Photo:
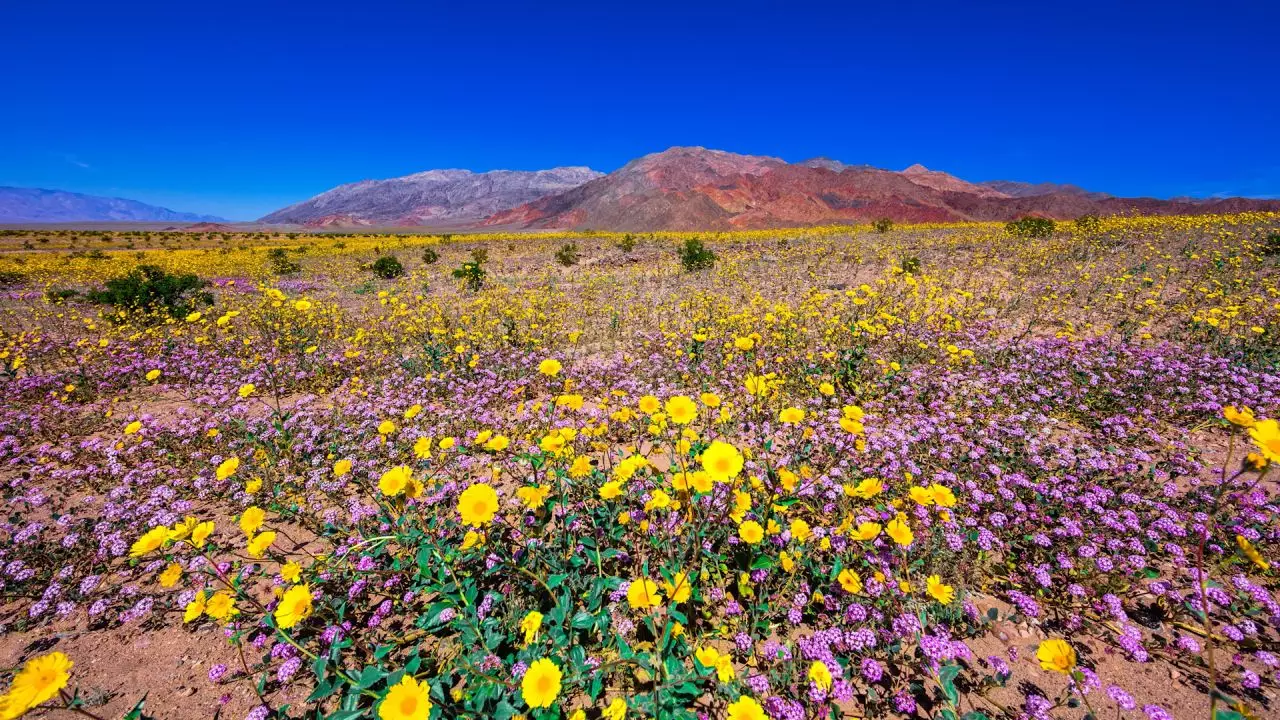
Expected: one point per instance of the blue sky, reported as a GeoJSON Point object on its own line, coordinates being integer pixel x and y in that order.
{"type": "Point", "coordinates": [238, 108]}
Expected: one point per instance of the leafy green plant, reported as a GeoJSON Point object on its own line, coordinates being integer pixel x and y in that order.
{"type": "Point", "coordinates": [627, 243]}
{"type": "Point", "coordinates": [909, 264]}
{"type": "Point", "coordinates": [150, 287]}
{"type": "Point", "coordinates": [281, 263]}
{"type": "Point", "coordinates": [882, 225]}
{"type": "Point", "coordinates": [1088, 223]}
{"type": "Point", "coordinates": [472, 274]}
{"type": "Point", "coordinates": [387, 267]}
{"type": "Point", "coordinates": [695, 256]}
{"type": "Point", "coordinates": [567, 255]}
{"type": "Point", "coordinates": [430, 256]}
{"type": "Point", "coordinates": [1033, 227]}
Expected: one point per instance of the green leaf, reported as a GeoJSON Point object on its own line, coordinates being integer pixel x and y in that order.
{"type": "Point", "coordinates": [369, 676]}
{"type": "Point", "coordinates": [764, 562]}
{"type": "Point", "coordinates": [1226, 714]}
{"type": "Point", "coordinates": [947, 678]}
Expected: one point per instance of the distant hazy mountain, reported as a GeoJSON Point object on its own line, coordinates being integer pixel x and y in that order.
{"type": "Point", "coordinates": [37, 205]}
{"type": "Point", "coordinates": [1013, 188]}
{"type": "Point", "coordinates": [452, 196]}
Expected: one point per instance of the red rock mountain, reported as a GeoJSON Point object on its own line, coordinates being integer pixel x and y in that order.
{"type": "Point", "coordinates": [699, 189]}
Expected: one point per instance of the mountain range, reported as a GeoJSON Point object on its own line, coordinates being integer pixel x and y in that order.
{"type": "Point", "coordinates": [682, 188]}
{"type": "Point", "coordinates": [38, 205]}
{"type": "Point", "coordinates": [434, 197]}
{"type": "Point", "coordinates": [694, 188]}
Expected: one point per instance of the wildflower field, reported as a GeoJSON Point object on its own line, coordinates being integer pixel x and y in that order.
{"type": "Point", "coordinates": [945, 471]}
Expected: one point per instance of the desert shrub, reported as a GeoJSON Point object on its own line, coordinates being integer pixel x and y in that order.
{"type": "Point", "coordinates": [882, 225]}
{"type": "Point", "coordinates": [1033, 227]}
{"type": "Point", "coordinates": [387, 267]}
{"type": "Point", "coordinates": [909, 264]}
{"type": "Point", "coordinates": [150, 287]}
{"type": "Point", "coordinates": [281, 263]}
{"type": "Point", "coordinates": [1271, 246]}
{"type": "Point", "coordinates": [480, 255]}
{"type": "Point", "coordinates": [695, 256]}
{"type": "Point", "coordinates": [55, 295]}
{"type": "Point", "coordinates": [472, 273]}
{"type": "Point", "coordinates": [627, 243]}
{"type": "Point", "coordinates": [1088, 223]}
{"type": "Point", "coordinates": [430, 256]}
{"type": "Point", "coordinates": [11, 278]}
{"type": "Point", "coordinates": [567, 255]}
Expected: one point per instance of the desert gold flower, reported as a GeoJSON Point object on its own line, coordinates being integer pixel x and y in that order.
{"type": "Point", "coordinates": [866, 531]}
{"type": "Point", "coordinates": [530, 626]}
{"type": "Point", "coordinates": [643, 594]}
{"type": "Point", "coordinates": [800, 530]}
{"type": "Point", "coordinates": [153, 375]}
{"type": "Point", "coordinates": [222, 606]}
{"type": "Point", "coordinates": [195, 608]}
{"type": "Point", "coordinates": [294, 607]}
{"type": "Point", "coordinates": [791, 415]}
{"type": "Point", "coordinates": [819, 675]}
{"type": "Point", "coordinates": [850, 581]}
{"type": "Point", "coordinates": [291, 571]}
{"type": "Point", "coordinates": [132, 428]}
{"type": "Point", "coordinates": [1252, 553]}
{"type": "Point", "coordinates": [227, 468]}
{"type": "Point", "coordinates": [938, 590]}
{"type": "Point", "coordinates": [1056, 655]}
{"type": "Point", "coordinates": [394, 481]}
{"type": "Point", "coordinates": [406, 700]}
{"type": "Point", "coordinates": [258, 544]}
{"type": "Point", "coordinates": [678, 588]}
{"type": "Point", "coordinates": [550, 367]}
{"type": "Point", "coordinates": [745, 708]}
{"type": "Point", "coordinates": [1242, 417]}
{"type": "Point", "coordinates": [246, 390]}
{"type": "Point", "coordinates": [171, 575]}
{"type": "Point", "coordinates": [541, 683]}
{"type": "Point", "coordinates": [681, 409]}
{"type": "Point", "coordinates": [750, 532]}
{"type": "Point", "coordinates": [867, 489]}
{"type": "Point", "coordinates": [251, 519]}
{"type": "Point", "coordinates": [478, 504]}
{"type": "Point", "coordinates": [1266, 435]}
{"type": "Point", "coordinates": [721, 461]}
{"type": "Point", "coordinates": [900, 532]}
{"type": "Point", "coordinates": [341, 468]}
{"type": "Point", "coordinates": [201, 532]}
{"type": "Point", "coordinates": [534, 497]}
{"type": "Point", "coordinates": [39, 681]}
{"type": "Point", "coordinates": [616, 710]}
{"type": "Point", "coordinates": [153, 539]}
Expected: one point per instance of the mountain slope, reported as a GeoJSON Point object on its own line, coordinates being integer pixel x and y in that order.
{"type": "Point", "coordinates": [432, 196]}
{"type": "Point", "coordinates": [692, 188]}
{"type": "Point", "coordinates": [38, 205]}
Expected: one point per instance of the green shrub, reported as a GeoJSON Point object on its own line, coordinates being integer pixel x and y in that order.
{"type": "Point", "coordinates": [567, 255]}
{"type": "Point", "coordinates": [430, 256]}
{"type": "Point", "coordinates": [627, 243]}
{"type": "Point", "coordinates": [1088, 223]}
{"type": "Point", "coordinates": [909, 264]}
{"type": "Point", "coordinates": [149, 287]}
{"type": "Point", "coordinates": [1271, 246]}
{"type": "Point", "coordinates": [695, 256]}
{"type": "Point", "coordinates": [472, 274]}
{"type": "Point", "coordinates": [882, 225]}
{"type": "Point", "coordinates": [281, 263]}
{"type": "Point", "coordinates": [11, 278]}
{"type": "Point", "coordinates": [388, 267]}
{"type": "Point", "coordinates": [1031, 227]}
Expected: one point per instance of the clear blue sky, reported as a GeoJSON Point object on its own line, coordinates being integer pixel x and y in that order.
{"type": "Point", "coordinates": [237, 108]}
